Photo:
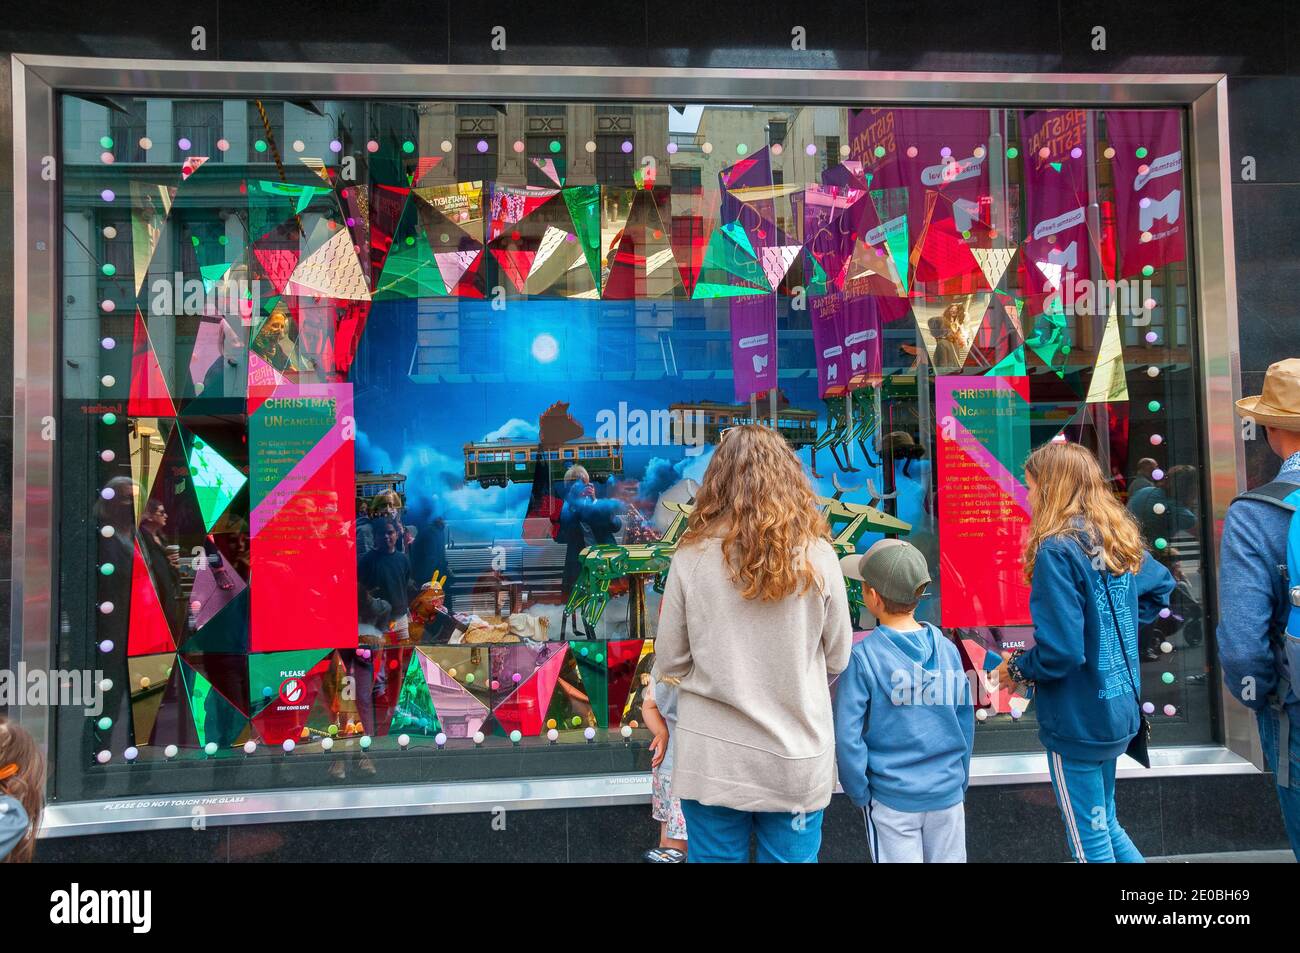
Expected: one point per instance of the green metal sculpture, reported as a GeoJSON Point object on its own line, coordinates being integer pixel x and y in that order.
{"type": "Point", "coordinates": [836, 433]}
{"type": "Point", "coordinates": [604, 563]}
{"type": "Point", "coordinates": [848, 420]}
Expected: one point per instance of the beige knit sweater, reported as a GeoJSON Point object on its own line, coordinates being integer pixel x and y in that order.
{"type": "Point", "coordinates": [754, 728]}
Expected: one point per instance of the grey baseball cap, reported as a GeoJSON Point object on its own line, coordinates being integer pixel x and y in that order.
{"type": "Point", "coordinates": [894, 568]}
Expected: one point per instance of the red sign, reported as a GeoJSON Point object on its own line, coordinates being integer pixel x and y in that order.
{"type": "Point", "coordinates": [983, 440]}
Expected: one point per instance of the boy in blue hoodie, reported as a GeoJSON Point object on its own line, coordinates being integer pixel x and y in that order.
{"type": "Point", "coordinates": [904, 722]}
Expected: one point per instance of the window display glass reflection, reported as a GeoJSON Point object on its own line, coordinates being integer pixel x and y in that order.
{"type": "Point", "coordinates": [386, 416]}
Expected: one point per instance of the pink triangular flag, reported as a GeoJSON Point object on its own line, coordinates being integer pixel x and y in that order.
{"type": "Point", "coordinates": [453, 264]}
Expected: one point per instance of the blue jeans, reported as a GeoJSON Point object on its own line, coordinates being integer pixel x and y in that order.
{"type": "Point", "coordinates": [720, 835]}
{"type": "Point", "coordinates": [1289, 797]}
{"type": "Point", "coordinates": [1085, 793]}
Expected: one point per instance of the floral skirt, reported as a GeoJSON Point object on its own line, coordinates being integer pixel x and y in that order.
{"type": "Point", "coordinates": [665, 807]}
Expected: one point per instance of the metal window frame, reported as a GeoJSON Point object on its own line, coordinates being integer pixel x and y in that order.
{"type": "Point", "coordinates": [39, 80]}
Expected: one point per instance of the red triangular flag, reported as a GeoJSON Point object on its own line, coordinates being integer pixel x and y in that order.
{"type": "Point", "coordinates": [150, 633]}
{"type": "Point", "coordinates": [149, 396]}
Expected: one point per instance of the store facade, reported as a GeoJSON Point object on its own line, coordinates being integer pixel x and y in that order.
{"type": "Point", "coordinates": [527, 301]}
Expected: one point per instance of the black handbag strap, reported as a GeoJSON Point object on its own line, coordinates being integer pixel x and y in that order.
{"type": "Point", "coordinates": [1105, 581]}
{"type": "Point", "coordinates": [1275, 493]}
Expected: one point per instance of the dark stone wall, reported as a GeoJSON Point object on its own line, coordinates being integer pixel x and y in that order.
{"type": "Point", "coordinates": [1164, 817]}
{"type": "Point", "coordinates": [1256, 42]}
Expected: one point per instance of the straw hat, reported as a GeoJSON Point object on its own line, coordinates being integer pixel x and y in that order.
{"type": "Point", "coordinates": [1279, 405]}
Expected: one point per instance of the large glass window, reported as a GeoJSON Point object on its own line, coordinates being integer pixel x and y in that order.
{"type": "Point", "coordinates": [378, 434]}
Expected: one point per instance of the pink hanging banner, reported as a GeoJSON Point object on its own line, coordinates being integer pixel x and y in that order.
{"type": "Point", "coordinates": [933, 150]}
{"type": "Point", "coordinates": [1149, 200]}
{"type": "Point", "coordinates": [828, 343]}
{"type": "Point", "coordinates": [872, 142]}
{"type": "Point", "coordinates": [861, 326]}
{"type": "Point", "coordinates": [1056, 199]}
{"type": "Point", "coordinates": [753, 344]}
{"type": "Point", "coordinates": [846, 339]}
{"type": "Point", "coordinates": [835, 217]}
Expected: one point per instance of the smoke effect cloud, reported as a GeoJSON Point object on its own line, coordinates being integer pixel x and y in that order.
{"type": "Point", "coordinates": [660, 474]}
{"type": "Point", "coordinates": [435, 487]}
{"type": "Point", "coordinates": [514, 429]}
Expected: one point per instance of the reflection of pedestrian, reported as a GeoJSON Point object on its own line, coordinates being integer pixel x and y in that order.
{"type": "Point", "coordinates": [1143, 477]}
{"type": "Point", "coordinates": [387, 570]}
{"type": "Point", "coordinates": [164, 564]}
{"type": "Point", "coordinates": [385, 505]}
{"type": "Point", "coordinates": [1166, 509]}
{"type": "Point", "coordinates": [569, 531]}
{"type": "Point", "coordinates": [236, 546]}
{"type": "Point", "coordinates": [586, 519]}
{"type": "Point", "coordinates": [949, 339]}
{"type": "Point", "coordinates": [358, 663]}
{"type": "Point", "coordinates": [911, 476]}
{"type": "Point", "coordinates": [118, 513]}
{"type": "Point", "coordinates": [435, 543]}
{"type": "Point", "coordinates": [372, 620]}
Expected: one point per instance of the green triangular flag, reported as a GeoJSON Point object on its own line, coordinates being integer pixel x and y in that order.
{"type": "Point", "coordinates": [583, 203]}
{"type": "Point", "coordinates": [410, 271]}
{"type": "Point", "coordinates": [817, 281]}
{"type": "Point", "coordinates": [213, 273]}
{"type": "Point", "coordinates": [728, 271]}
{"type": "Point", "coordinates": [215, 718]}
{"type": "Point", "coordinates": [216, 481]}
{"type": "Point", "coordinates": [1013, 365]}
{"type": "Point", "coordinates": [736, 232]}
{"type": "Point", "coordinates": [595, 681]}
{"type": "Point", "coordinates": [414, 713]}
{"type": "Point", "coordinates": [896, 242]}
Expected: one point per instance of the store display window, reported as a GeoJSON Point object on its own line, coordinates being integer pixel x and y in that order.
{"type": "Point", "coordinates": [381, 420]}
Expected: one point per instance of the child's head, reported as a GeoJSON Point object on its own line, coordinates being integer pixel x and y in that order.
{"type": "Point", "coordinates": [385, 502]}
{"type": "Point", "coordinates": [22, 777]}
{"type": "Point", "coordinates": [893, 574]}
{"type": "Point", "coordinates": [1069, 496]}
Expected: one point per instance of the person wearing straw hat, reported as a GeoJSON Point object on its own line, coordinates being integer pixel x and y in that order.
{"type": "Point", "coordinates": [1259, 590]}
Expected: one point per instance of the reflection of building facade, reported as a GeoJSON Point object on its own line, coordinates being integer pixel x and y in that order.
{"type": "Point", "coordinates": [586, 144]}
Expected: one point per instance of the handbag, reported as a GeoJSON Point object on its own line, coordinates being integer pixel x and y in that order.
{"type": "Point", "coordinates": [1137, 746]}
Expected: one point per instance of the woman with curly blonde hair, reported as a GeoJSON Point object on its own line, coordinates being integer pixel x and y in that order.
{"type": "Point", "coordinates": [754, 619]}
{"type": "Point", "coordinates": [1092, 584]}
{"type": "Point", "coordinates": [22, 792]}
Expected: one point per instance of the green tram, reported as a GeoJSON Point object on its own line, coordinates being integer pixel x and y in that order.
{"type": "Point", "coordinates": [799, 427]}
{"type": "Point", "coordinates": [500, 462]}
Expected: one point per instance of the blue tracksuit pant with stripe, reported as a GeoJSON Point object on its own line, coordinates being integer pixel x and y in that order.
{"type": "Point", "coordinates": [1085, 793]}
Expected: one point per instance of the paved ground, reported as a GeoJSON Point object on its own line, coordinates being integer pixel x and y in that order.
{"type": "Point", "coordinates": [1229, 857]}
